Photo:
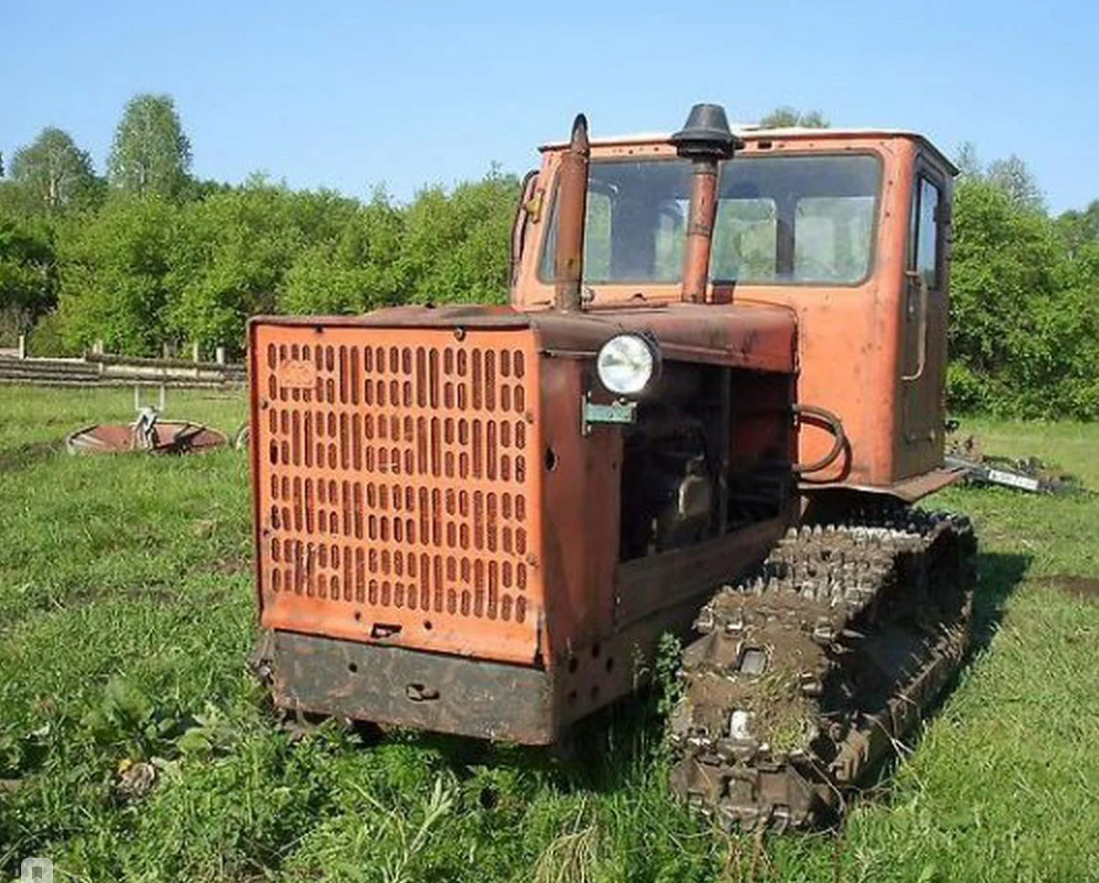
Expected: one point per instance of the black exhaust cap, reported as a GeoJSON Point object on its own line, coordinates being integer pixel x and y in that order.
{"type": "Point", "coordinates": [706, 134]}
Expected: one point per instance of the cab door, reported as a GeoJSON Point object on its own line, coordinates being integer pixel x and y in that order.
{"type": "Point", "coordinates": [924, 322]}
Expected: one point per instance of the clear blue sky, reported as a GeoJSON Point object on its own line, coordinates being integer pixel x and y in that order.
{"type": "Point", "coordinates": [349, 94]}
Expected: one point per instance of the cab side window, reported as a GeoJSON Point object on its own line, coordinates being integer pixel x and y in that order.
{"type": "Point", "coordinates": [925, 239]}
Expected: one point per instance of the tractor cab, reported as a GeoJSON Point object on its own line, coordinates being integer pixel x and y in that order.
{"type": "Point", "coordinates": [846, 230]}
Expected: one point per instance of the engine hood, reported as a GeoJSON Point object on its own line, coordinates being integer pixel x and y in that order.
{"type": "Point", "coordinates": [751, 336]}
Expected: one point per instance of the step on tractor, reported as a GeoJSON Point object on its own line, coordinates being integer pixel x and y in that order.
{"type": "Point", "coordinates": [707, 411]}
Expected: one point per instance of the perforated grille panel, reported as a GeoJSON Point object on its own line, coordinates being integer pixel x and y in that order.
{"type": "Point", "coordinates": [397, 480]}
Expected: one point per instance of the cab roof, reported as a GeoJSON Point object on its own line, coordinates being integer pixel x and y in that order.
{"type": "Point", "coordinates": [755, 132]}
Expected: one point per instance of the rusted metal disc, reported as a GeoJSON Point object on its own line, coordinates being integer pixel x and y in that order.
{"type": "Point", "coordinates": [168, 437]}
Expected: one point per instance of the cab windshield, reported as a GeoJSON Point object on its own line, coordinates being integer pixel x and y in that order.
{"type": "Point", "coordinates": [780, 219]}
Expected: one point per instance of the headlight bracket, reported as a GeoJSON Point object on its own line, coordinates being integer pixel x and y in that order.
{"type": "Point", "coordinates": [620, 411]}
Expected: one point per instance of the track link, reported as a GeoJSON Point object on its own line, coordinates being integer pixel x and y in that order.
{"type": "Point", "coordinates": [808, 672]}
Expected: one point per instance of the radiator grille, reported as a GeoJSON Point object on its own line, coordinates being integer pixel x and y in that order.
{"type": "Point", "coordinates": [397, 477]}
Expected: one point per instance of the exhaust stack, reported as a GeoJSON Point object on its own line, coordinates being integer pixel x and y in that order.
{"type": "Point", "coordinates": [705, 139]}
{"type": "Point", "coordinates": [572, 207]}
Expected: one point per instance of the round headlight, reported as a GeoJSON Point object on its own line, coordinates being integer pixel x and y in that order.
{"type": "Point", "coordinates": [626, 364]}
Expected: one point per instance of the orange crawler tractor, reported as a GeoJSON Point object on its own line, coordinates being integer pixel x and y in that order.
{"type": "Point", "coordinates": [714, 397]}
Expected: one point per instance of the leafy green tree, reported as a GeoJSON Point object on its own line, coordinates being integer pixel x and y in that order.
{"type": "Point", "coordinates": [17, 201]}
{"type": "Point", "coordinates": [150, 153]}
{"type": "Point", "coordinates": [28, 278]}
{"type": "Point", "coordinates": [1016, 180]}
{"type": "Point", "coordinates": [1024, 331]}
{"type": "Point", "coordinates": [234, 250]}
{"type": "Point", "coordinates": [1010, 175]}
{"type": "Point", "coordinates": [116, 282]}
{"type": "Point", "coordinates": [54, 171]}
{"type": "Point", "coordinates": [360, 270]}
{"type": "Point", "coordinates": [790, 117]}
{"type": "Point", "coordinates": [1080, 229]}
{"type": "Point", "coordinates": [967, 161]}
{"type": "Point", "coordinates": [195, 190]}
{"type": "Point", "coordinates": [456, 246]}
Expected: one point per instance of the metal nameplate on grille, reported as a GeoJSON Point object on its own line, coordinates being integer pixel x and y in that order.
{"type": "Point", "coordinates": [297, 374]}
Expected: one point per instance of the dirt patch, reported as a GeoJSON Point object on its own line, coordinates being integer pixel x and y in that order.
{"type": "Point", "coordinates": [231, 566]}
{"type": "Point", "coordinates": [1080, 588]}
{"type": "Point", "coordinates": [758, 670]}
{"type": "Point", "coordinates": [25, 456]}
{"type": "Point", "coordinates": [163, 595]}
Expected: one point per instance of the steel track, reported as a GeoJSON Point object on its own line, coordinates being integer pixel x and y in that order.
{"type": "Point", "coordinates": [809, 673]}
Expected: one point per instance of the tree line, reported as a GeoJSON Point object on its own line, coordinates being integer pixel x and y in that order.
{"type": "Point", "coordinates": [147, 254]}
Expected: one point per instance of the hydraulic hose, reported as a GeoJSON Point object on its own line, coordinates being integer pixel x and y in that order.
{"type": "Point", "coordinates": [840, 438]}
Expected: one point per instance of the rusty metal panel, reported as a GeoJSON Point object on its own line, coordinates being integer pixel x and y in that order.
{"type": "Point", "coordinates": [471, 697]}
{"type": "Point", "coordinates": [159, 437]}
{"type": "Point", "coordinates": [646, 585]}
{"type": "Point", "coordinates": [581, 509]}
{"type": "Point", "coordinates": [397, 485]}
{"type": "Point", "coordinates": [394, 685]}
{"type": "Point", "coordinates": [908, 490]}
{"type": "Point", "coordinates": [572, 197]}
{"type": "Point", "coordinates": [756, 337]}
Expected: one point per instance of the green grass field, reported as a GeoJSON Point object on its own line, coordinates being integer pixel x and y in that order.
{"type": "Point", "coordinates": [126, 619]}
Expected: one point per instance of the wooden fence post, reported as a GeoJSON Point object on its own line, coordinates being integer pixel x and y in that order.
{"type": "Point", "coordinates": [22, 346]}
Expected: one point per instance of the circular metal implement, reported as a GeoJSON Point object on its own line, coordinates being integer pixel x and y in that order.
{"type": "Point", "coordinates": [147, 433]}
